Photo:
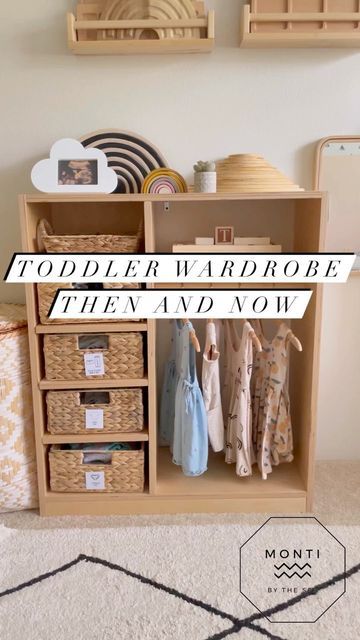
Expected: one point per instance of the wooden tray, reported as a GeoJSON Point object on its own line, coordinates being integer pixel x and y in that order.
{"type": "Point", "coordinates": [97, 29]}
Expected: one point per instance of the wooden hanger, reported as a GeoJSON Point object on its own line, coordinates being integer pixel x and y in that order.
{"type": "Point", "coordinates": [195, 342]}
{"type": "Point", "coordinates": [292, 338]}
{"type": "Point", "coordinates": [213, 353]}
{"type": "Point", "coordinates": [295, 342]}
{"type": "Point", "coordinates": [255, 340]}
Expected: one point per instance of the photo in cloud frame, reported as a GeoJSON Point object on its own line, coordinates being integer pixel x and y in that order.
{"type": "Point", "coordinates": [71, 168]}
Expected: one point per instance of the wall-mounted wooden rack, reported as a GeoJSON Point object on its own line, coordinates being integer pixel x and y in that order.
{"type": "Point", "coordinates": [268, 26]}
{"type": "Point", "coordinates": [90, 34]}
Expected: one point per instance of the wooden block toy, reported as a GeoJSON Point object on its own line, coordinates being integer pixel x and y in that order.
{"type": "Point", "coordinates": [224, 235]}
{"type": "Point", "coordinates": [204, 241]}
{"type": "Point", "coordinates": [251, 241]}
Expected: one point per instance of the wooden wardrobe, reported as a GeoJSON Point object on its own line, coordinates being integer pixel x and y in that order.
{"type": "Point", "coordinates": [294, 220]}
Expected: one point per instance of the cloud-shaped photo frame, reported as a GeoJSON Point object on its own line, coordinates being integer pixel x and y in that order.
{"type": "Point", "coordinates": [73, 169]}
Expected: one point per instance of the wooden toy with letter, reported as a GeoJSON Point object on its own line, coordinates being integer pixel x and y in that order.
{"type": "Point", "coordinates": [224, 235]}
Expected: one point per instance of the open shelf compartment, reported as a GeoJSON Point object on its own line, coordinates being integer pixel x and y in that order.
{"type": "Point", "coordinates": [296, 221]}
{"type": "Point", "coordinates": [220, 479]}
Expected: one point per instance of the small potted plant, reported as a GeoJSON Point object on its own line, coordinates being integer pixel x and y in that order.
{"type": "Point", "coordinates": [205, 177]}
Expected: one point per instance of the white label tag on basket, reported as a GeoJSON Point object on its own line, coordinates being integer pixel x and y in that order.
{"type": "Point", "coordinates": [95, 480]}
{"type": "Point", "coordinates": [94, 364]}
{"type": "Point", "coordinates": [94, 418]}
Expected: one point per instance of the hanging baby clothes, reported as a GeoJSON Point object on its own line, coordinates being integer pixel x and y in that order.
{"type": "Point", "coordinates": [273, 435]}
{"type": "Point", "coordinates": [171, 379]}
{"type": "Point", "coordinates": [239, 359]}
{"type": "Point", "coordinates": [211, 389]}
{"type": "Point", "coordinates": [190, 444]}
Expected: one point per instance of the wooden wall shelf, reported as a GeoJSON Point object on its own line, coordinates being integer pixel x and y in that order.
{"type": "Point", "coordinates": [88, 33]}
{"type": "Point", "coordinates": [284, 29]}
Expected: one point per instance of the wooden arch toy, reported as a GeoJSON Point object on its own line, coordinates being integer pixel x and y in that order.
{"type": "Point", "coordinates": [161, 10]}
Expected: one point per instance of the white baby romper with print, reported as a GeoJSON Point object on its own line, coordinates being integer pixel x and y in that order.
{"type": "Point", "coordinates": [239, 355]}
{"type": "Point", "coordinates": [211, 390]}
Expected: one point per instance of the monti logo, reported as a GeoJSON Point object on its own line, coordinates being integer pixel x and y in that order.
{"type": "Point", "coordinates": [298, 568]}
{"type": "Point", "coordinates": [285, 561]}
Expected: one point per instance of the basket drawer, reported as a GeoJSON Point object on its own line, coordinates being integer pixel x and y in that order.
{"type": "Point", "coordinates": [94, 357]}
{"type": "Point", "coordinates": [71, 412]}
{"type": "Point", "coordinates": [70, 472]}
{"type": "Point", "coordinates": [46, 293]}
{"type": "Point", "coordinates": [99, 243]}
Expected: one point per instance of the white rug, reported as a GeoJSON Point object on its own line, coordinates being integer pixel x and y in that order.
{"type": "Point", "coordinates": [176, 560]}
{"type": "Point", "coordinates": [93, 601]}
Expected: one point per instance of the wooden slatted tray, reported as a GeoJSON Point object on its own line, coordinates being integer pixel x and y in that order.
{"type": "Point", "coordinates": [301, 23]}
{"type": "Point", "coordinates": [97, 29]}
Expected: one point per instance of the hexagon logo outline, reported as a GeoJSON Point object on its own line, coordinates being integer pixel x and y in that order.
{"type": "Point", "coordinates": [265, 613]}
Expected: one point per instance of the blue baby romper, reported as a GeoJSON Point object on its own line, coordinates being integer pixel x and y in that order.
{"type": "Point", "coordinates": [190, 444]}
{"type": "Point", "coordinates": [171, 379]}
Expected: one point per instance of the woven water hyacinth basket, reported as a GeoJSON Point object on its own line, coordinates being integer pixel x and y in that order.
{"type": "Point", "coordinates": [88, 243]}
{"type": "Point", "coordinates": [123, 411]}
{"type": "Point", "coordinates": [46, 294]}
{"type": "Point", "coordinates": [123, 356]}
{"type": "Point", "coordinates": [125, 474]}
{"type": "Point", "coordinates": [18, 480]}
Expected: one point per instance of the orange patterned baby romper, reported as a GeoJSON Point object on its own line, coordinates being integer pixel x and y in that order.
{"type": "Point", "coordinates": [272, 429]}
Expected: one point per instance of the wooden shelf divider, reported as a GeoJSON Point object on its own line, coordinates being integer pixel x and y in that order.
{"type": "Point", "coordinates": [99, 327]}
{"type": "Point", "coordinates": [138, 436]}
{"type": "Point", "coordinates": [56, 385]}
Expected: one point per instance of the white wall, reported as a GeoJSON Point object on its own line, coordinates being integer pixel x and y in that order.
{"type": "Point", "coordinates": [276, 103]}
{"type": "Point", "coordinates": [339, 390]}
